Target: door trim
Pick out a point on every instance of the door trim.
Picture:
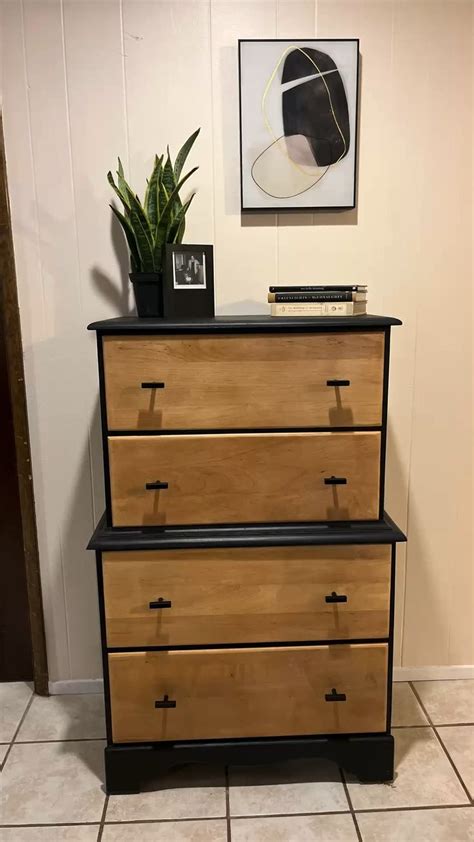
(10, 314)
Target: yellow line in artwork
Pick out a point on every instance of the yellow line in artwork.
(264, 113)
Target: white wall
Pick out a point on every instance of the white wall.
(87, 80)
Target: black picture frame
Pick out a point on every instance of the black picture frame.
(291, 208)
(188, 284)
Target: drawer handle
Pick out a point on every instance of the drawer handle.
(165, 702)
(338, 383)
(334, 597)
(160, 603)
(334, 696)
(152, 486)
(335, 481)
(151, 384)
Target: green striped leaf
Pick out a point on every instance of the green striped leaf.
(123, 198)
(183, 154)
(152, 193)
(166, 218)
(176, 229)
(130, 235)
(143, 233)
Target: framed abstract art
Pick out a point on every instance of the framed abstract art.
(298, 124)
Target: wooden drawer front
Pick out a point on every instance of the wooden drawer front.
(247, 478)
(243, 595)
(252, 381)
(257, 692)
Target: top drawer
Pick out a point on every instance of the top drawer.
(252, 381)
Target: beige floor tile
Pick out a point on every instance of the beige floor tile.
(14, 697)
(214, 830)
(295, 829)
(424, 776)
(184, 793)
(3, 751)
(50, 834)
(447, 702)
(298, 786)
(456, 825)
(53, 783)
(459, 742)
(405, 707)
(64, 718)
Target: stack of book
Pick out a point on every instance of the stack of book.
(332, 300)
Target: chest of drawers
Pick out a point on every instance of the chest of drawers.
(245, 562)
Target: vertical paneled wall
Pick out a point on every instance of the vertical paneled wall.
(85, 81)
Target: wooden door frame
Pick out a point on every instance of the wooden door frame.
(10, 315)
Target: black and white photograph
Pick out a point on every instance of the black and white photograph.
(188, 288)
(189, 270)
(298, 123)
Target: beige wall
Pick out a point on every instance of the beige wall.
(87, 81)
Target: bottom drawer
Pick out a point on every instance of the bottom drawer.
(258, 692)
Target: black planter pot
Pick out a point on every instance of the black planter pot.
(148, 290)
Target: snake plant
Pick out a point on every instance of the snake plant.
(161, 218)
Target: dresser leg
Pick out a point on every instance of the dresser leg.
(370, 759)
(128, 768)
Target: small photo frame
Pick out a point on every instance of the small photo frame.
(188, 290)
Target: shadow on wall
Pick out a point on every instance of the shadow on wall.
(117, 295)
(86, 505)
(420, 625)
(249, 306)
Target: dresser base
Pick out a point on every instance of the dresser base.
(128, 768)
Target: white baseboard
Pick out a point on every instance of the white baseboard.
(96, 685)
(85, 685)
(433, 673)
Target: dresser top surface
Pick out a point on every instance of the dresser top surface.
(383, 531)
(241, 324)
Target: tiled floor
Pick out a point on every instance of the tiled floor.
(51, 754)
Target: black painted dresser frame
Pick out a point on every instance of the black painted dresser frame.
(370, 756)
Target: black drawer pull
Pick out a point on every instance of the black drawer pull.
(165, 702)
(152, 486)
(334, 597)
(338, 383)
(151, 384)
(160, 603)
(334, 696)
(335, 481)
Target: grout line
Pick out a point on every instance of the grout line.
(72, 740)
(227, 804)
(351, 808)
(454, 725)
(407, 727)
(114, 822)
(17, 730)
(290, 815)
(55, 824)
(412, 809)
(102, 819)
(252, 816)
(468, 794)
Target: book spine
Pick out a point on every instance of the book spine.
(324, 308)
(321, 288)
(310, 296)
